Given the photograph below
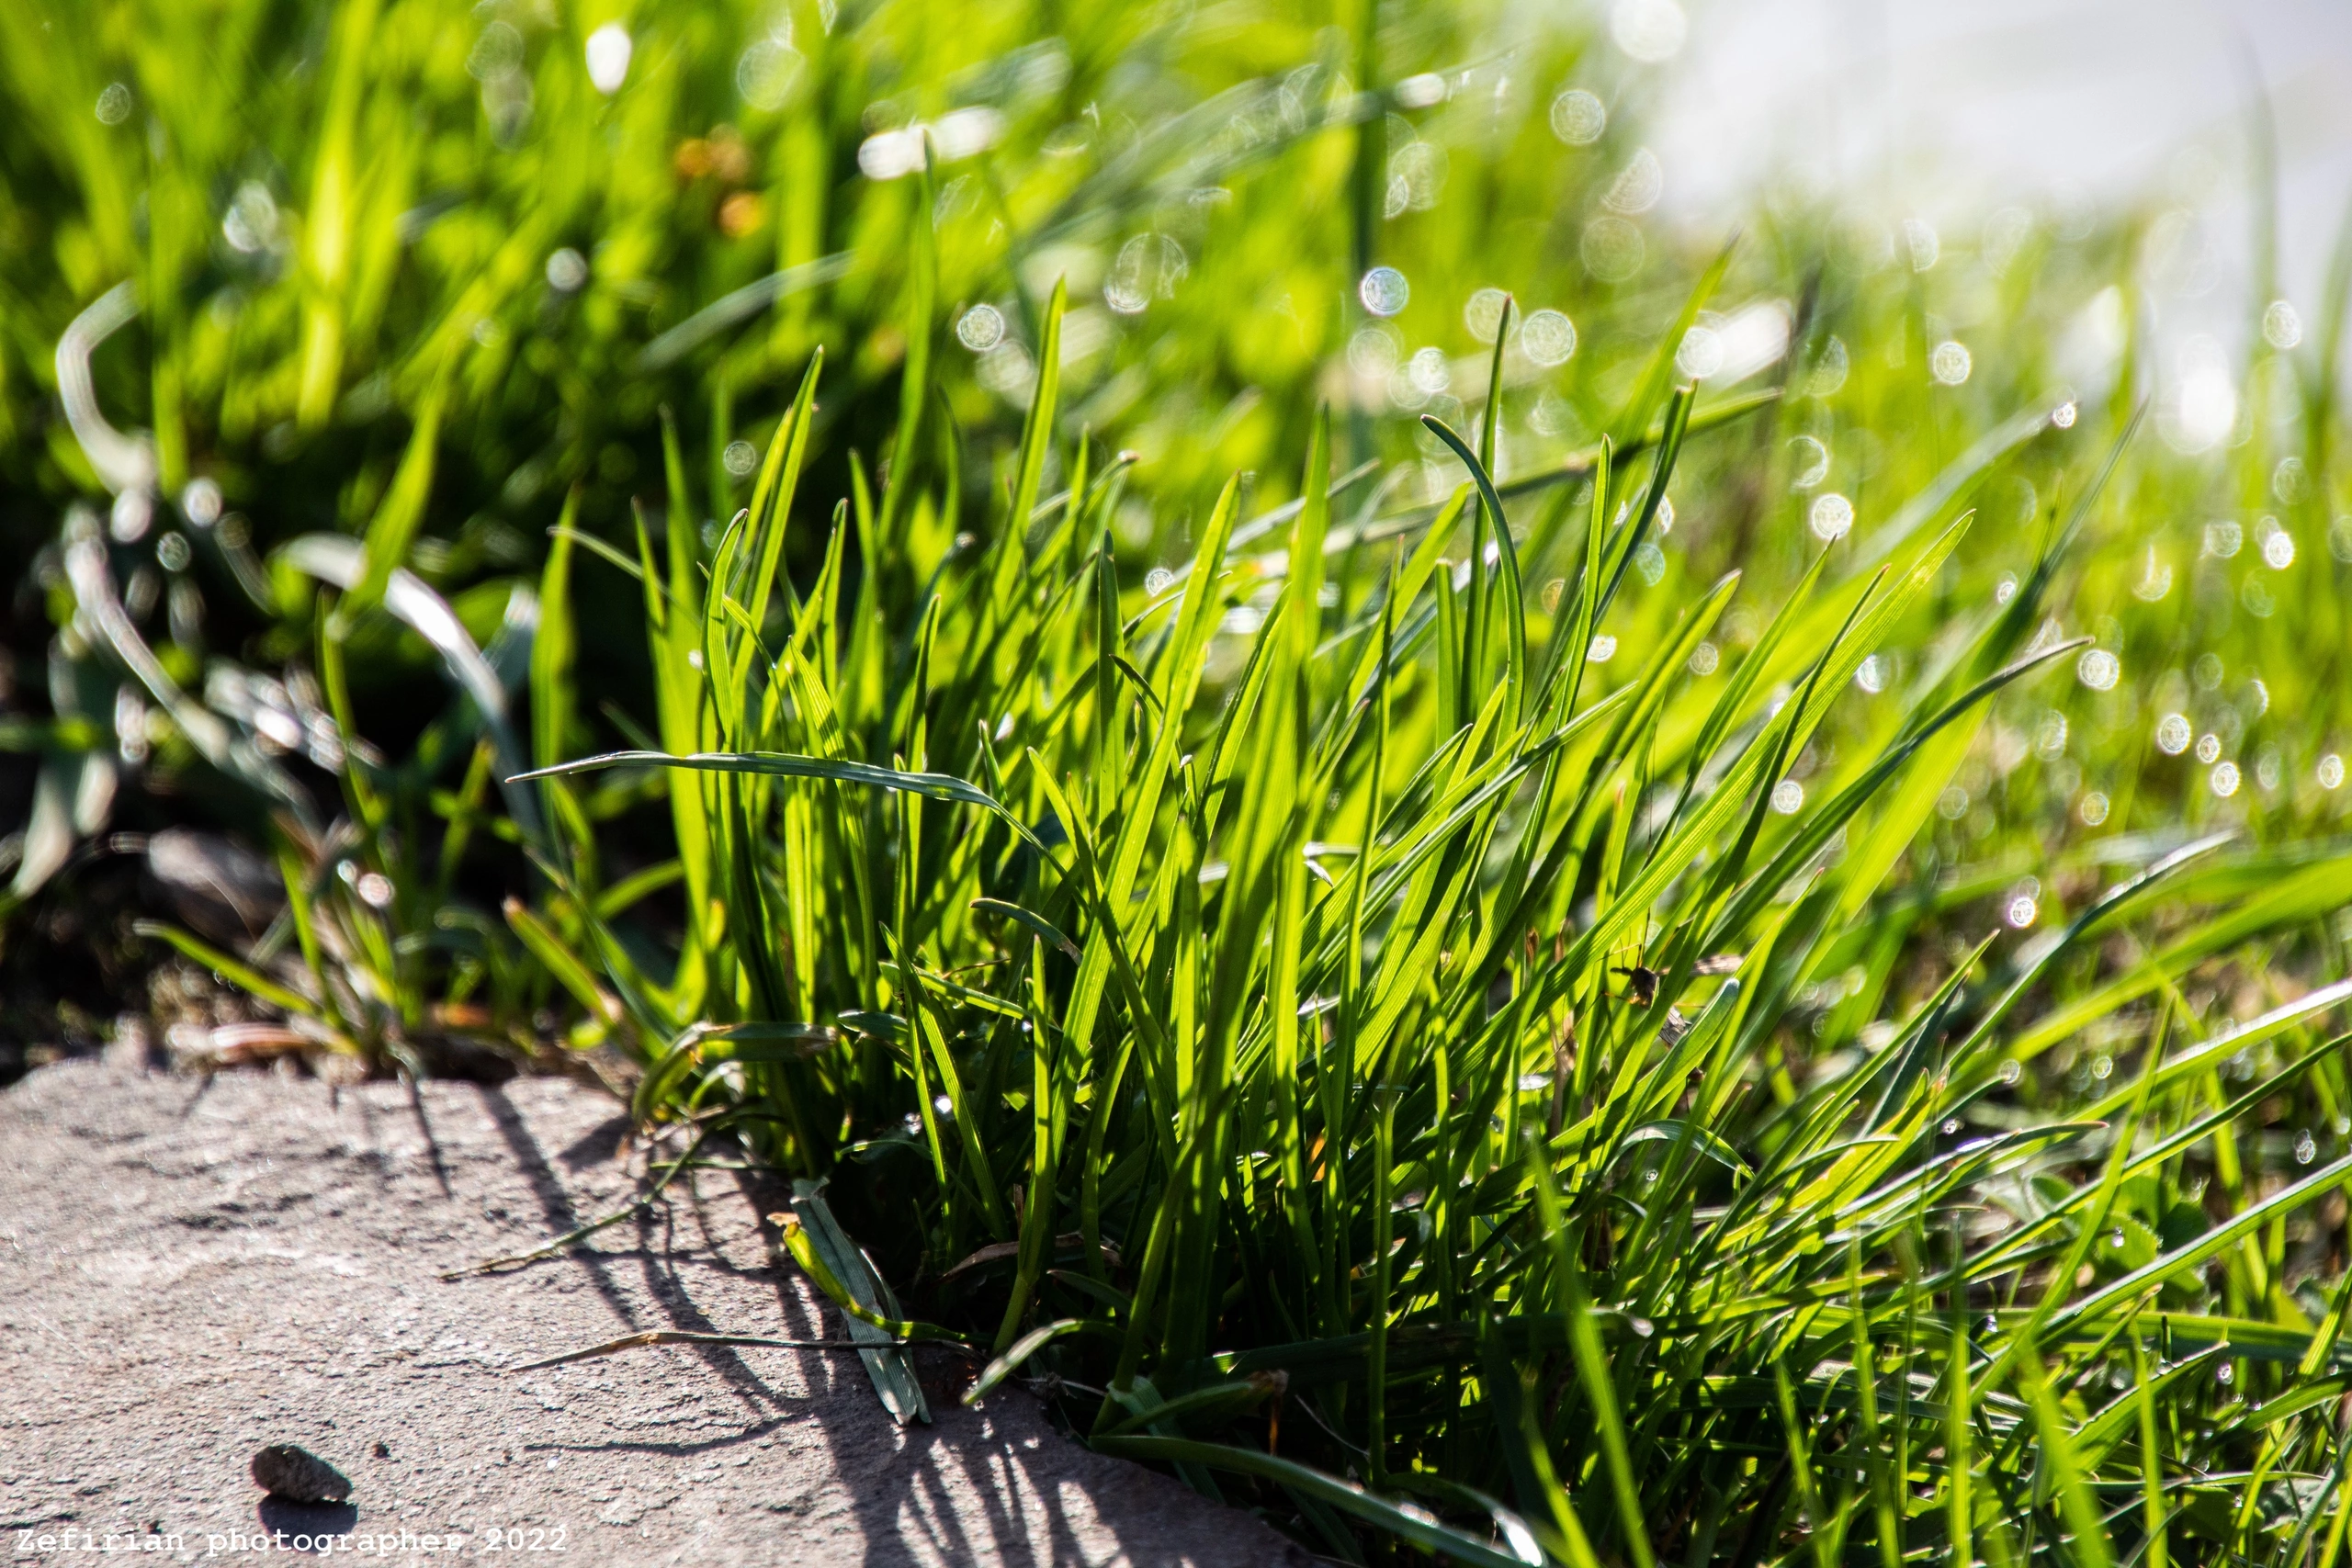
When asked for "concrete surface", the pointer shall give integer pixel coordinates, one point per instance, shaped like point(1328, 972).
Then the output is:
point(192, 1268)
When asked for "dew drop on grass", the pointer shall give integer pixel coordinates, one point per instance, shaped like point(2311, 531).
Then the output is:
point(251, 223)
point(131, 725)
point(2306, 1149)
point(1149, 267)
point(1612, 249)
point(1638, 186)
point(1603, 650)
point(2092, 810)
point(1416, 178)
point(2209, 748)
point(2021, 910)
point(2222, 538)
point(201, 502)
point(2278, 550)
point(1705, 659)
point(2225, 780)
point(764, 75)
point(2103, 1067)
point(2172, 734)
point(1926, 247)
point(2006, 233)
point(1484, 313)
point(498, 53)
point(128, 519)
point(1384, 291)
point(1871, 676)
point(2330, 771)
point(114, 104)
point(1951, 1125)
point(2011, 1071)
point(739, 458)
point(1547, 338)
point(2282, 327)
point(1829, 371)
point(2063, 416)
point(1788, 797)
point(1700, 353)
point(1578, 117)
point(1373, 353)
point(2050, 735)
point(375, 889)
point(1949, 362)
point(1808, 462)
point(979, 328)
point(1831, 517)
point(1009, 372)
point(567, 271)
point(2098, 670)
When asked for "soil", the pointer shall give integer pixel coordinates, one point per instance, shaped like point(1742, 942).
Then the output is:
point(193, 1269)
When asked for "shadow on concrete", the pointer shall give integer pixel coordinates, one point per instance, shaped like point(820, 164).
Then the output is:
point(305, 1523)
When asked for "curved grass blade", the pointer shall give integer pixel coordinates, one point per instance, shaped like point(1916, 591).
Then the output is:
point(1028, 1345)
point(793, 765)
point(681, 1336)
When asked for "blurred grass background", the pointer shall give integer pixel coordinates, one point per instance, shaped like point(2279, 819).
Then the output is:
point(344, 225)
point(343, 221)
point(486, 249)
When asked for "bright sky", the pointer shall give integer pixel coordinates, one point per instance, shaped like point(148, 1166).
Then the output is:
point(1949, 109)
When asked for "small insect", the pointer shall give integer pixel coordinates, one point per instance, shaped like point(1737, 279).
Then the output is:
point(1641, 981)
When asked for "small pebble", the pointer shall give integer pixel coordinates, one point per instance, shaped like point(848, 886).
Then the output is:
point(298, 1475)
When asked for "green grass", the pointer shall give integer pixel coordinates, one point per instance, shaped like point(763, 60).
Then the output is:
point(1540, 998)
